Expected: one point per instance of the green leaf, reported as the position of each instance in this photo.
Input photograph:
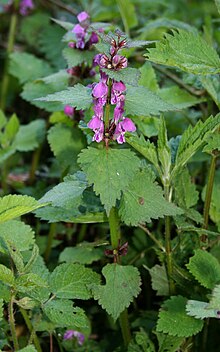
(168, 343)
(159, 280)
(27, 67)
(180, 98)
(11, 129)
(193, 138)
(29, 282)
(213, 143)
(205, 268)
(142, 101)
(112, 167)
(17, 233)
(16, 257)
(13, 206)
(29, 348)
(66, 143)
(214, 211)
(77, 57)
(148, 77)
(140, 203)
(141, 343)
(186, 50)
(3, 119)
(200, 310)
(78, 96)
(217, 2)
(212, 85)
(128, 75)
(1, 309)
(26, 303)
(72, 281)
(83, 253)
(174, 321)
(122, 286)
(5, 293)
(215, 298)
(63, 314)
(185, 191)
(163, 150)
(128, 14)
(6, 275)
(30, 136)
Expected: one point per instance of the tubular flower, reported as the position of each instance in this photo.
(83, 39)
(69, 334)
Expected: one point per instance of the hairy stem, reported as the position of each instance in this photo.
(51, 235)
(115, 235)
(168, 248)
(12, 322)
(31, 329)
(209, 190)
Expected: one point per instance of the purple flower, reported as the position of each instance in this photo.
(69, 110)
(82, 16)
(93, 39)
(25, 6)
(119, 62)
(95, 123)
(69, 334)
(126, 125)
(100, 90)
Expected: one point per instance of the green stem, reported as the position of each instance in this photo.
(152, 237)
(115, 235)
(31, 329)
(10, 48)
(12, 323)
(51, 235)
(168, 248)
(209, 190)
(34, 164)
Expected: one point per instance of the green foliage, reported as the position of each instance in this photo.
(213, 143)
(128, 14)
(13, 206)
(1, 309)
(180, 98)
(148, 77)
(141, 204)
(27, 67)
(128, 75)
(217, 2)
(122, 286)
(78, 96)
(186, 50)
(6, 275)
(30, 136)
(205, 268)
(212, 85)
(111, 166)
(72, 281)
(200, 310)
(159, 280)
(185, 191)
(141, 343)
(168, 343)
(214, 211)
(215, 298)
(29, 348)
(76, 57)
(174, 321)
(84, 253)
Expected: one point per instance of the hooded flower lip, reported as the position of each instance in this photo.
(82, 16)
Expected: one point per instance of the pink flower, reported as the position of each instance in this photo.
(100, 90)
(126, 125)
(69, 334)
(25, 6)
(69, 110)
(82, 16)
(95, 123)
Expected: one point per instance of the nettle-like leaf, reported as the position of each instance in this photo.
(17, 233)
(186, 50)
(215, 298)
(212, 85)
(111, 166)
(148, 77)
(193, 138)
(72, 281)
(128, 75)
(84, 253)
(180, 98)
(77, 57)
(66, 143)
(30, 136)
(142, 101)
(6, 275)
(168, 343)
(27, 67)
(213, 143)
(78, 96)
(13, 206)
(185, 191)
(174, 321)
(200, 310)
(143, 200)
(29, 282)
(5, 293)
(122, 286)
(159, 280)
(205, 268)
(63, 314)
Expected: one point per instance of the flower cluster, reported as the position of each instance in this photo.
(69, 334)
(83, 39)
(110, 92)
(24, 6)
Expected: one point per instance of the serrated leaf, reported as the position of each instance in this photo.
(27, 67)
(72, 281)
(6, 275)
(200, 310)
(193, 138)
(215, 298)
(180, 98)
(28, 282)
(111, 166)
(185, 191)
(128, 75)
(205, 268)
(159, 280)
(168, 343)
(212, 85)
(19, 234)
(78, 96)
(63, 314)
(174, 321)
(66, 143)
(30, 348)
(76, 57)
(5, 293)
(122, 286)
(163, 150)
(30, 136)
(84, 253)
(213, 143)
(143, 200)
(142, 101)
(186, 50)
(13, 206)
